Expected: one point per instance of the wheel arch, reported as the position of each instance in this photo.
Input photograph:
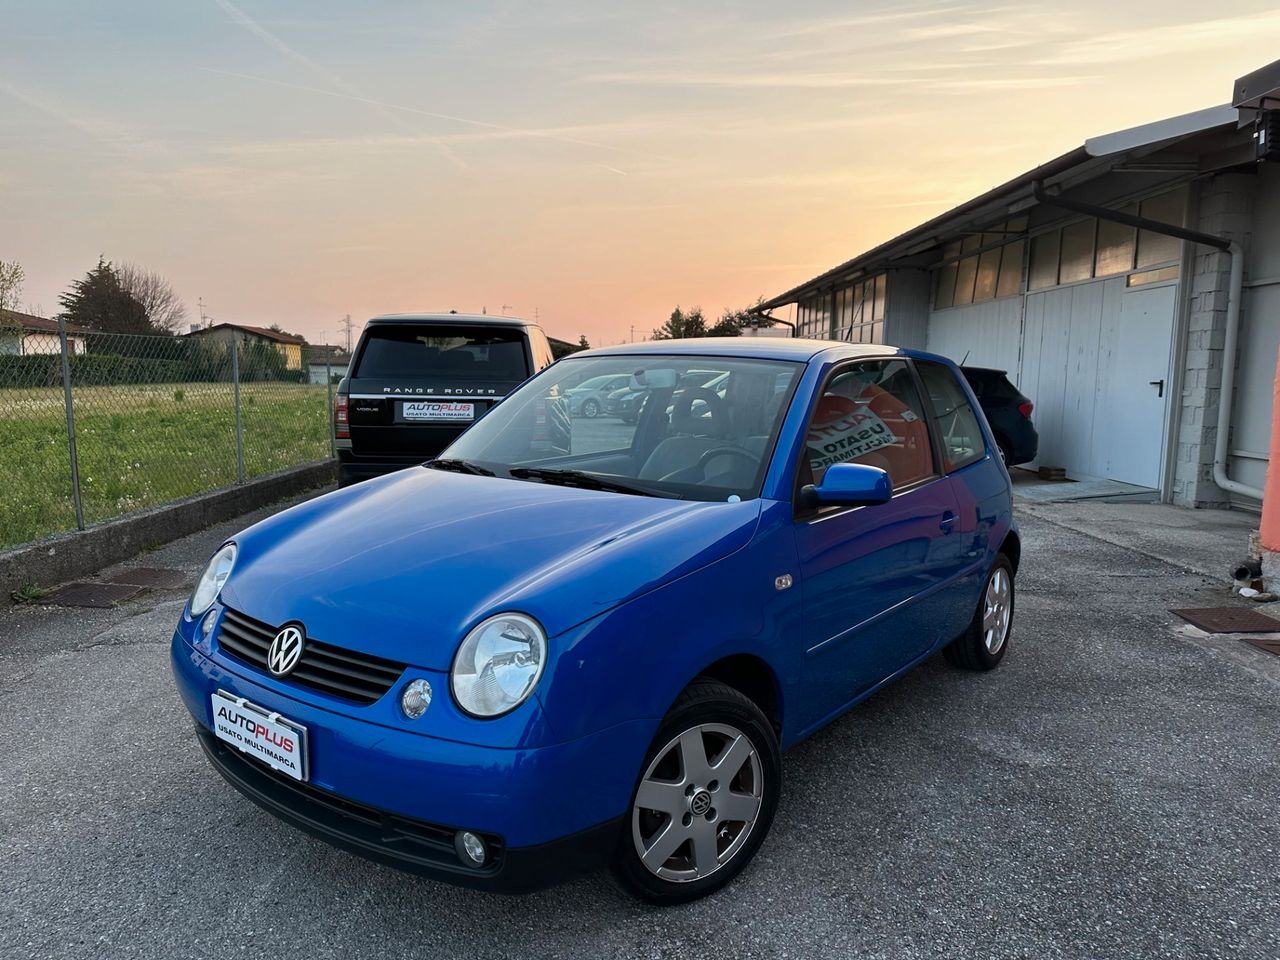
(1011, 547)
(754, 678)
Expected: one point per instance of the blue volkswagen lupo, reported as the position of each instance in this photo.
(570, 643)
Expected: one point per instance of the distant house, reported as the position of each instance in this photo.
(24, 335)
(289, 346)
(326, 359)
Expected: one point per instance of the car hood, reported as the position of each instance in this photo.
(403, 566)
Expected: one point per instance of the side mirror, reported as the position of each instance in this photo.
(848, 485)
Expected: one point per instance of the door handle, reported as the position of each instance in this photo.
(948, 522)
(1159, 385)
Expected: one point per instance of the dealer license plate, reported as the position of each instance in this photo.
(278, 742)
(445, 411)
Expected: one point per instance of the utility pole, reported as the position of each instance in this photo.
(504, 308)
(204, 319)
(633, 333)
(346, 325)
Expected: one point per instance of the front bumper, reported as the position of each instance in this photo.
(393, 795)
(411, 845)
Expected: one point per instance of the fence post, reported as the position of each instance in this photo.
(328, 382)
(71, 423)
(235, 393)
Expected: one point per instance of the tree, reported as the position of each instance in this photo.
(165, 310)
(11, 277)
(681, 325)
(98, 302)
(731, 322)
(279, 329)
(583, 342)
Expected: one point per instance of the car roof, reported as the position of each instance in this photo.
(761, 348)
(456, 318)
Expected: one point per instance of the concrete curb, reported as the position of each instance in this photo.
(70, 555)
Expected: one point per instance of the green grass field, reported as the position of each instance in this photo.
(140, 446)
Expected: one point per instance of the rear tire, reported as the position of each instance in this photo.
(704, 800)
(983, 644)
(591, 408)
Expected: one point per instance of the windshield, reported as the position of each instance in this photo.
(693, 427)
(443, 352)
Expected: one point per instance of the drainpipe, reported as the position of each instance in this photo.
(1235, 293)
(766, 316)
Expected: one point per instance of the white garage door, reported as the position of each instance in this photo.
(1095, 361)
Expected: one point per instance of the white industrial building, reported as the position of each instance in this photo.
(1103, 282)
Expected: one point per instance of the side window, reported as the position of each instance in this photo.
(962, 441)
(871, 413)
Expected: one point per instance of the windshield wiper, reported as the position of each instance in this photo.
(458, 466)
(577, 478)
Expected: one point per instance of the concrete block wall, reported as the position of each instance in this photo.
(1225, 209)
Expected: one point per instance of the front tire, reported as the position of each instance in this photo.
(705, 799)
(591, 408)
(983, 645)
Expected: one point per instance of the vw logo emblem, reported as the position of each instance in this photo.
(285, 651)
(700, 803)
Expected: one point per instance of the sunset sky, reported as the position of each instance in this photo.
(293, 161)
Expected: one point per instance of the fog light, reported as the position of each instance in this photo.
(206, 625)
(470, 848)
(415, 699)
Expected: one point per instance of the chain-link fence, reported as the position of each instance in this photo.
(94, 426)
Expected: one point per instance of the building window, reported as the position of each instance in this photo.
(1115, 246)
(981, 266)
(1077, 252)
(1044, 261)
(860, 317)
(1093, 248)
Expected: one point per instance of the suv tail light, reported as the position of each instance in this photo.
(1024, 408)
(341, 418)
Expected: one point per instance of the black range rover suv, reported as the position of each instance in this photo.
(417, 381)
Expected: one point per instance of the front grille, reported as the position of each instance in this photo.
(357, 677)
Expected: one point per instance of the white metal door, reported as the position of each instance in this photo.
(1138, 397)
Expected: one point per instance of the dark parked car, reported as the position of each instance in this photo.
(1008, 412)
(418, 380)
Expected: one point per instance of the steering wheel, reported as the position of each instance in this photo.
(706, 458)
(682, 418)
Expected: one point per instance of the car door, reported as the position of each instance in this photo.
(870, 575)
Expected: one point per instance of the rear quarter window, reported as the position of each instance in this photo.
(413, 351)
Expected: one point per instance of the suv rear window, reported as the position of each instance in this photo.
(991, 385)
(444, 352)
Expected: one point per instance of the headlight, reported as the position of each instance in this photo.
(210, 583)
(498, 665)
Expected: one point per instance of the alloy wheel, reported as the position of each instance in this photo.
(697, 802)
(997, 610)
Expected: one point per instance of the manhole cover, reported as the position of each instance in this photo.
(1229, 620)
(91, 594)
(157, 578)
(1271, 646)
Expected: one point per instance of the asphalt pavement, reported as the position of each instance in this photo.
(1110, 791)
